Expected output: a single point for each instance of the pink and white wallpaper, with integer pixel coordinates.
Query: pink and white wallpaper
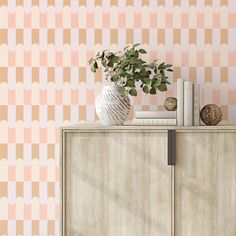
(45, 82)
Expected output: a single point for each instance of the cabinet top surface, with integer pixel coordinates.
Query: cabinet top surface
(91, 127)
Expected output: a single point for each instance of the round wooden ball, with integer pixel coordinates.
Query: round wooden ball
(170, 104)
(211, 114)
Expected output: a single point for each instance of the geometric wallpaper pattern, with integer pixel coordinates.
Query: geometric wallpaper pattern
(45, 82)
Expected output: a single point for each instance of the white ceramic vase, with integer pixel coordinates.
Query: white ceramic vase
(112, 106)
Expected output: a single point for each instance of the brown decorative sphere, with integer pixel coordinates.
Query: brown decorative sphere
(170, 104)
(211, 114)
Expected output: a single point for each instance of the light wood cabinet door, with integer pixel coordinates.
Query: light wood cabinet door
(205, 184)
(116, 184)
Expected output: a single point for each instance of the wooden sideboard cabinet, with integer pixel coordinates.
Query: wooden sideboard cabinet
(121, 181)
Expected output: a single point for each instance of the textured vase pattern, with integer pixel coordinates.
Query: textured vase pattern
(112, 106)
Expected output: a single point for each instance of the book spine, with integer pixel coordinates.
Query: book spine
(154, 121)
(155, 114)
(196, 105)
(137, 121)
(180, 102)
(188, 103)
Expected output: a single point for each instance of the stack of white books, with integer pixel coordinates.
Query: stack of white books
(188, 108)
(155, 118)
(188, 103)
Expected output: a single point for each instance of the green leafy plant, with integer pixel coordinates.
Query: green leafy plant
(127, 69)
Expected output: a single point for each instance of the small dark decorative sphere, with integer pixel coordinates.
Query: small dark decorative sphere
(170, 104)
(211, 114)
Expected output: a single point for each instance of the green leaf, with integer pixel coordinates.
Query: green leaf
(133, 92)
(126, 47)
(90, 60)
(167, 82)
(93, 69)
(143, 73)
(140, 61)
(132, 52)
(110, 64)
(170, 70)
(162, 87)
(152, 91)
(95, 65)
(121, 72)
(145, 80)
(115, 59)
(98, 54)
(157, 84)
(152, 65)
(103, 62)
(142, 51)
(113, 79)
(130, 83)
(110, 54)
(136, 45)
(154, 80)
(103, 54)
(146, 89)
(162, 73)
(168, 66)
(126, 92)
(161, 66)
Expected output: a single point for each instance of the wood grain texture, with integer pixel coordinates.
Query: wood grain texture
(116, 184)
(205, 184)
(155, 128)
